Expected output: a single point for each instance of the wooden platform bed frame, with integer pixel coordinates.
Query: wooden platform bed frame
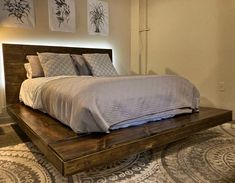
(70, 152)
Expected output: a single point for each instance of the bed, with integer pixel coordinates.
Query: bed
(71, 152)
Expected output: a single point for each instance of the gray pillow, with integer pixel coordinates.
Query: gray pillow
(35, 64)
(56, 64)
(100, 64)
(81, 65)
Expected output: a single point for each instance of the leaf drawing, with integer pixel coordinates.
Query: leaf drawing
(62, 11)
(17, 8)
(97, 16)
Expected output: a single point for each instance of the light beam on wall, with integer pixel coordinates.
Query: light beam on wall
(68, 43)
(2, 81)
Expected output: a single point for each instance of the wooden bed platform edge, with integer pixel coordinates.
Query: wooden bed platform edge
(71, 153)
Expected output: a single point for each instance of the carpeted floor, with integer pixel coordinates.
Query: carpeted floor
(208, 156)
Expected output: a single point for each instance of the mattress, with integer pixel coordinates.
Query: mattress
(101, 104)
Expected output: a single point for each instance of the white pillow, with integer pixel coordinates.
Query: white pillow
(56, 64)
(36, 67)
(100, 64)
(28, 69)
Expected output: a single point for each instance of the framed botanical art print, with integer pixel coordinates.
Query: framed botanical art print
(98, 17)
(17, 13)
(62, 15)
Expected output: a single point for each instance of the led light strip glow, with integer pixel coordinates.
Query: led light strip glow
(67, 43)
(2, 81)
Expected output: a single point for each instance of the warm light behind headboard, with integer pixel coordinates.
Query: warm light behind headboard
(2, 81)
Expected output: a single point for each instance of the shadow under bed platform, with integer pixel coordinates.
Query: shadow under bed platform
(70, 152)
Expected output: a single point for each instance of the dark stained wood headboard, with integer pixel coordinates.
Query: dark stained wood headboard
(14, 56)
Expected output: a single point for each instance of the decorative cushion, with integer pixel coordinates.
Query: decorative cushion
(35, 64)
(28, 70)
(56, 64)
(100, 64)
(81, 65)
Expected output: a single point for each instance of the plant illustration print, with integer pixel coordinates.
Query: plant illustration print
(62, 11)
(97, 16)
(19, 9)
(62, 15)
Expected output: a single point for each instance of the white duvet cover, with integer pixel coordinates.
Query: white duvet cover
(101, 104)
(30, 91)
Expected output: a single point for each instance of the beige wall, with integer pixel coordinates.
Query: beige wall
(195, 39)
(134, 63)
(139, 46)
(118, 39)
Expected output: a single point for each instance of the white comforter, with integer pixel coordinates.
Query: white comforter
(98, 104)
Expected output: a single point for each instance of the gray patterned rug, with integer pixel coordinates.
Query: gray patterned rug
(208, 156)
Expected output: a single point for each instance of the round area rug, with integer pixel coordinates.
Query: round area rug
(204, 157)
(207, 156)
(24, 163)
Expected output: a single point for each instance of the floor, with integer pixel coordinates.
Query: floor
(10, 133)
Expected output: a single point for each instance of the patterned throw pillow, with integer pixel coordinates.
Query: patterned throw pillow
(100, 64)
(35, 64)
(55, 64)
(81, 65)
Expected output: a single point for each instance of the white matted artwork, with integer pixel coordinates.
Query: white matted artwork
(17, 13)
(98, 17)
(62, 15)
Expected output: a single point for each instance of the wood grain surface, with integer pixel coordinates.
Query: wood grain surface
(71, 152)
